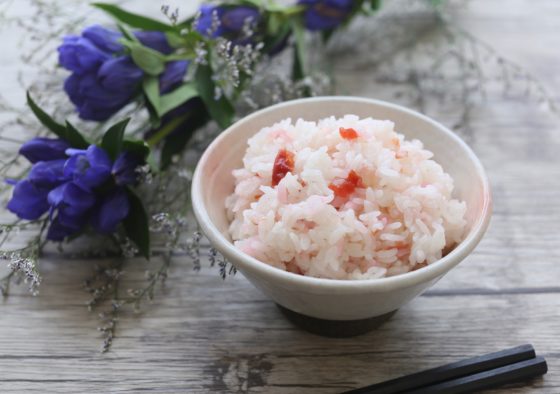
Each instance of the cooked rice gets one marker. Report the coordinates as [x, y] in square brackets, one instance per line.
[402, 219]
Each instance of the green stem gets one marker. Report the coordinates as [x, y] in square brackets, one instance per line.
[166, 130]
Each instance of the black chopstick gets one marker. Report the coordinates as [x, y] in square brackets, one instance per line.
[451, 371]
[484, 380]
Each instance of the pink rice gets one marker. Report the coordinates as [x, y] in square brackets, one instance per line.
[402, 219]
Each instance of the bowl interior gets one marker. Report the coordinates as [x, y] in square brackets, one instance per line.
[226, 152]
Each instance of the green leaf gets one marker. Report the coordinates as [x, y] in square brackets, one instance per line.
[127, 34]
[66, 132]
[113, 138]
[286, 10]
[150, 86]
[154, 119]
[137, 147]
[220, 110]
[180, 95]
[369, 8]
[46, 119]
[186, 41]
[163, 104]
[298, 67]
[191, 38]
[275, 22]
[133, 20]
[148, 59]
[174, 39]
[136, 224]
[74, 137]
[180, 56]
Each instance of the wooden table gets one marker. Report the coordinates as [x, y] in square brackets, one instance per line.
[204, 334]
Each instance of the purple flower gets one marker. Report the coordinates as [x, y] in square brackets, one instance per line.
[119, 74]
[47, 173]
[112, 209]
[62, 227]
[87, 52]
[155, 40]
[124, 168]
[69, 206]
[40, 149]
[94, 97]
[105, 39]
[77, 187]
[173, 75]
[231, 22]
[104, 79]
[72, 200]
[80, 55]
[29, 201]
[88, 168]
[325, 14]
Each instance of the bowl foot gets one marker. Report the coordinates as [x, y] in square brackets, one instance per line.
[335, 328]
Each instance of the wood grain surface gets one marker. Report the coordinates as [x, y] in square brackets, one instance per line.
[203, 334]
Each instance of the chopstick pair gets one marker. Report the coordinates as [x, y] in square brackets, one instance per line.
[467, 376]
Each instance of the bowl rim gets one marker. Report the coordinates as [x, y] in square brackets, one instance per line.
[247, 263]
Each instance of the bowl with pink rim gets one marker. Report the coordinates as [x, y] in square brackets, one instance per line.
[327, 306]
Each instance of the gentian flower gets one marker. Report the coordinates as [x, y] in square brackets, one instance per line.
[102, 82]
[105, 39]
[231, 22]
[98, 101]
[124, 168]
[77, 187]
[155, 40]
[103, 78]
[47, 173]
[111, 210]
[325, 14]
[174, 71]
[41, 149]
[88, 168]
[119, 74]
[29, 201]
[80, 55]
[173, 75]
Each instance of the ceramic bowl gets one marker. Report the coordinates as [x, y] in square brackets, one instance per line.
[338, 300]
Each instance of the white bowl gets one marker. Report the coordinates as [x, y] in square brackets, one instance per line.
[326, 298]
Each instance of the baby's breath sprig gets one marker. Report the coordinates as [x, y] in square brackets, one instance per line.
[172, 15]
[107, 285]
[226, 268]
[22, 262]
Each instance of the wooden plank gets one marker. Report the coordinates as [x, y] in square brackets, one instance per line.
[210, 335]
